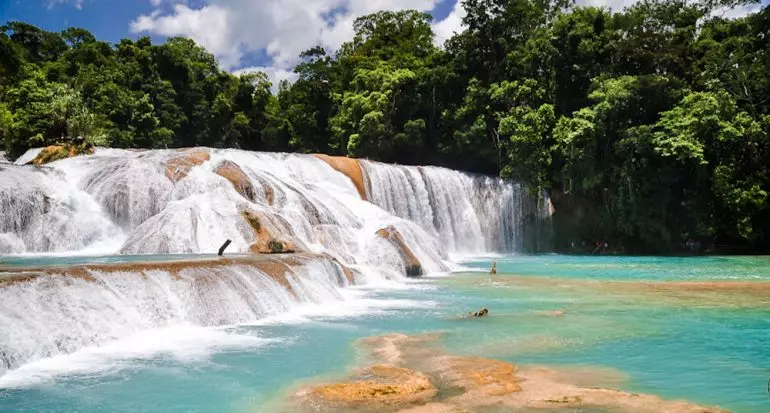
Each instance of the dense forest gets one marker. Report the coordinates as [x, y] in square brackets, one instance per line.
[648, 126]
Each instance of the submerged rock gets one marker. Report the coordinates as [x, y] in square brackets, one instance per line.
[462, 384]
[349, 167]
[379, 384]
[58, 152]
[413, 265]
[179, 166]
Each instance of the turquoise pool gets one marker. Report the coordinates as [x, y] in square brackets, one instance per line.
[707, 344]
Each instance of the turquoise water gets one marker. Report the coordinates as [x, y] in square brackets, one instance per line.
[709, 347]
[10, 261]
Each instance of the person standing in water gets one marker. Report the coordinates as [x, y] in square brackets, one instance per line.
[493, 271]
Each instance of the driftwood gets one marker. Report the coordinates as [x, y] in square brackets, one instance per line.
[224, 247]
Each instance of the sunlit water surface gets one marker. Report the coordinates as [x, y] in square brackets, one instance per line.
[709, 347]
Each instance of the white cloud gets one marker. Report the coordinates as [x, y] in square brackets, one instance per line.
[276, 75]
[738, 11]
[282, 28]
[78, 4]
[450, 25]
[615, 5]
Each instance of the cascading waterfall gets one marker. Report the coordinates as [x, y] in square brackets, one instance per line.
[56, 311]
[470, 214]
[189, 202]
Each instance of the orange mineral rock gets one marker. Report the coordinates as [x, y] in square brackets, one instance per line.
[241, 182]
[179, 166]
[413, 265]
[384, 384]
[349, 167]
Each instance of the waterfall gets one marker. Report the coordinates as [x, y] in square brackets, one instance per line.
[470, 214]
[48, 312]
[379, 222]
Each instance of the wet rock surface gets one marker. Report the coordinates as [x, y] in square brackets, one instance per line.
[417, 376]
[179, 166]
[413, 266]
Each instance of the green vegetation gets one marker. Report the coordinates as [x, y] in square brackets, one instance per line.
[649, 126]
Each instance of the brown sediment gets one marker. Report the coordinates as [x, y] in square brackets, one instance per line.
[276, 267]
[241, 182]
[479, 375]
[413, 265]
[57, 152]
[731, 294]
[554, 313]
[434, 408]
[471, 383]
[179, 166]
[269, 194]
[349, 167]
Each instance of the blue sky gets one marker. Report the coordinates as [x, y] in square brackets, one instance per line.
[111, 20]
[255, 34]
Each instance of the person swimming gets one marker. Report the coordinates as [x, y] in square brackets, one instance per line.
[481, 313]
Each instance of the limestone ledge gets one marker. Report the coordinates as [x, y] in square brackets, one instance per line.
[349, 167]
[277, 267]
[180, 165]
[412, 374]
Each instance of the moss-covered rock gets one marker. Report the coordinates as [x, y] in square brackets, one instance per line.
[58, 152]
[266, 242]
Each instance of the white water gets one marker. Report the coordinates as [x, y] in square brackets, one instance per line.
[469, 214]
[121, 202]
[55, 314]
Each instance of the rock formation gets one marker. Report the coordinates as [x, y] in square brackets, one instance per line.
[58, 152]
[241, 182]
[348, 167]
[179, 166]
[436, 382]
[413, 266]
[378, 385]
[266, 242]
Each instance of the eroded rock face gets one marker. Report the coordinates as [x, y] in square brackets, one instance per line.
[179, 166]
[241, 182]
[413, 265]
[58, 152]
[379, 384]
[348, 167]
[266, 242]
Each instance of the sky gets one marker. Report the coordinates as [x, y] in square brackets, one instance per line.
[244, 35]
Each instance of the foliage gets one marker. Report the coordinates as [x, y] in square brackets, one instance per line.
[649, 126]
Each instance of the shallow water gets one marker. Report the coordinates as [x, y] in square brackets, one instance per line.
[709, 346]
